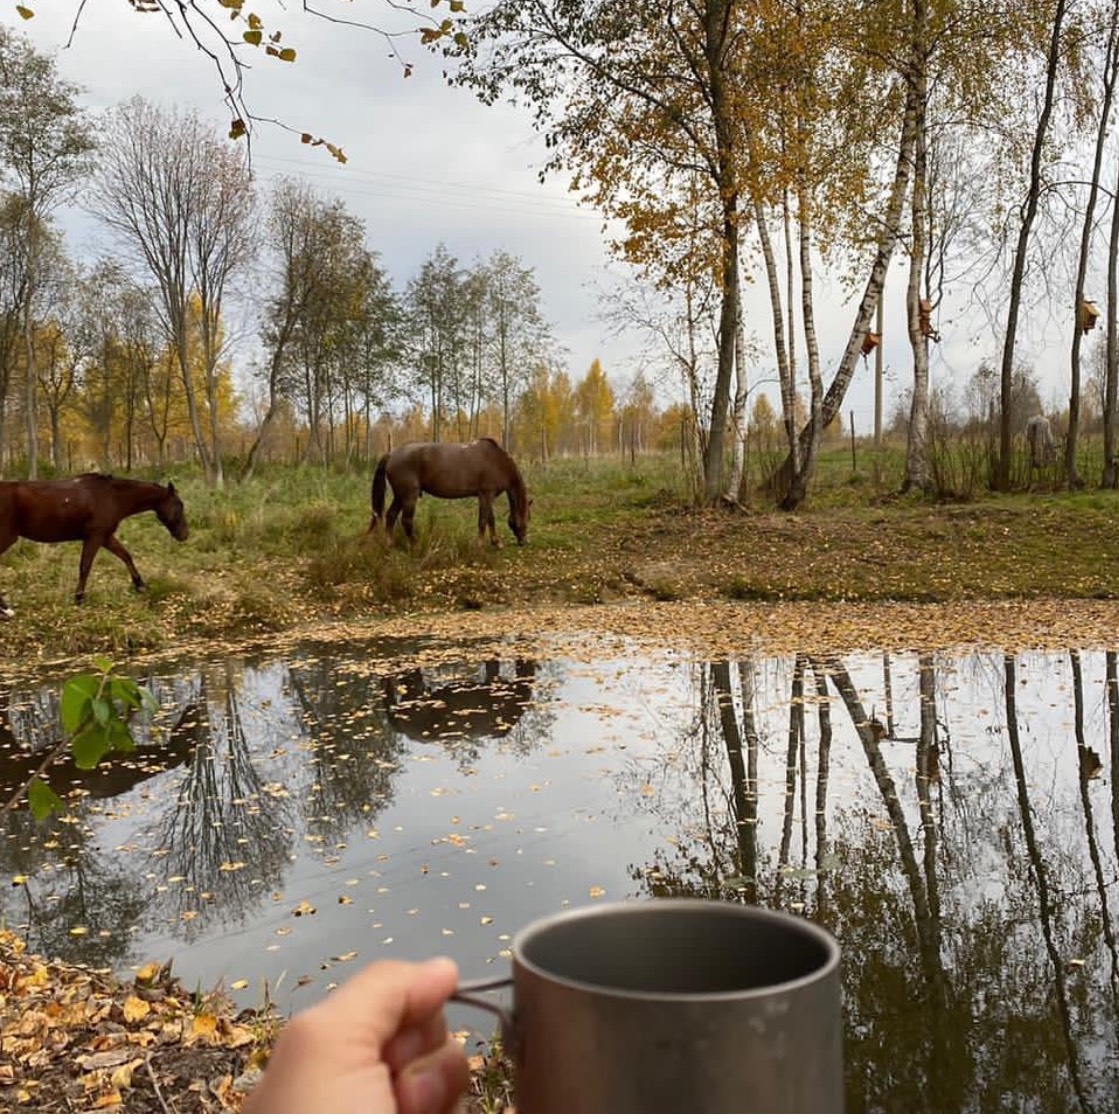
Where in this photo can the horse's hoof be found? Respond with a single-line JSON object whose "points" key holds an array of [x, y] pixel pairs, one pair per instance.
{"points": [[7, 612]]}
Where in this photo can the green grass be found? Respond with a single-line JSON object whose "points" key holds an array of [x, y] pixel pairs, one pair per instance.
{"points": [[290, 548]]}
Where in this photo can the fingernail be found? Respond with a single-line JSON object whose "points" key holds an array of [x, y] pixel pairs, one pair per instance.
{"points": [[425, 1090]]}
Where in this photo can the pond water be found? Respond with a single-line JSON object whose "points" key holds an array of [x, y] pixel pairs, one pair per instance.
{"points": [[952, 818]]}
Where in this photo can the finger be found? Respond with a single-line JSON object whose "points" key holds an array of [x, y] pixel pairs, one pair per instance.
{"points": [[412, 1043], [434, 1083], [392, 995]]}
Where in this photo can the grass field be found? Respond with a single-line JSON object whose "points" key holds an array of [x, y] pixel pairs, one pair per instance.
{"points": [[290, 548]]}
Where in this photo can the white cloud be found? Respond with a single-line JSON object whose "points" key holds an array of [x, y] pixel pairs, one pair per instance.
{"points": [[427, 163]]}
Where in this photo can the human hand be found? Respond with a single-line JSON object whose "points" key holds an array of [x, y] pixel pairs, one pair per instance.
{"points": [[379, 1043]]}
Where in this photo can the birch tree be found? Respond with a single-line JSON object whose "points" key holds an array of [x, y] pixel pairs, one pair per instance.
{"points": [[519, 337], [46, 144], [436, 309], [1109, 71], [631, 97], [182, 204], [1027, 212]]}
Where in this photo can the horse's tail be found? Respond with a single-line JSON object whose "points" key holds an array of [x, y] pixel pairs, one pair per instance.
{"points": [[378, 495]]}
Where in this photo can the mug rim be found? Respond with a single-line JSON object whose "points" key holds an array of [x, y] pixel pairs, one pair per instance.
{"points": [[801, 925]]}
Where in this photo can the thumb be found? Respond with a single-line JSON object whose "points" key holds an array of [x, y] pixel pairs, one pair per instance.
{"points": [[392, 995]]}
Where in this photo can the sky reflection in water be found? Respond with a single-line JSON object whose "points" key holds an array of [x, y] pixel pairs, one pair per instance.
{"points": [[957, 831]]}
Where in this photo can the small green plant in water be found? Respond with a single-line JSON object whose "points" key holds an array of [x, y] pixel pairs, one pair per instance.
{"points": [[96, 709]]}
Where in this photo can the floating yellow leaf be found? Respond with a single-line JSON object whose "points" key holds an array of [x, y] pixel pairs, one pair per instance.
{"points": [[597, 892], [239, 984]]}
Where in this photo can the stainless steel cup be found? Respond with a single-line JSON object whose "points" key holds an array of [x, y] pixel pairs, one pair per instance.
{"points": [[673, 1006]]}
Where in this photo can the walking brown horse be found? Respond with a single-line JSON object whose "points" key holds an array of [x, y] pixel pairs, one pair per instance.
{"points": [[480, 469], [87, 508]]}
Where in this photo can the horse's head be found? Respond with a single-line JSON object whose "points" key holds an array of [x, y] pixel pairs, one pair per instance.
{"points": [[172, 515], [519, 514]]}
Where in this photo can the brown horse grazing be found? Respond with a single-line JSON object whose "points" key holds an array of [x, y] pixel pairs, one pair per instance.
{"points": [[87, 508], [480, 469]]}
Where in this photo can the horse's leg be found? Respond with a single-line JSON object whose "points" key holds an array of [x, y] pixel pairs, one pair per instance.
{"points": [[485, 520], [123, 554], [391, 516], [408, 516], [89, 552], [481, 520], [7, 539]]}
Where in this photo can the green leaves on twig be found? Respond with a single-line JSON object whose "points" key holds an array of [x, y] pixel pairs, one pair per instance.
{"points": [[96, 710]]}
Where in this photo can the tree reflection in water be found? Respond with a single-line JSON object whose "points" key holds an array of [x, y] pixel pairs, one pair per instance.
{"points": [[225, 839], [979, 952], [953, 818], [353, 756], [77, 900]]}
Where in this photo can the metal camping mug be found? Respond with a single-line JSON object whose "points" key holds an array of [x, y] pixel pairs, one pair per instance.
{"points": [[672, 1006]]}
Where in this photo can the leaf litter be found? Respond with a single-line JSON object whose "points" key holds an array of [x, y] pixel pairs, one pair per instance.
{"points": [[80, 1039]]}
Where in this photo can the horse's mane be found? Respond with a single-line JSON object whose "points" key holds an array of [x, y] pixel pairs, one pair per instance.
{"points": [[113, 480]]}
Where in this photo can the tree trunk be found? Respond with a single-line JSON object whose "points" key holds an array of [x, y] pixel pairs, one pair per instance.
{"points": [[255, 451], [726, 125], [192, 408], [781, 348], [917, 452], [738, 413], [728, 318], [31, 389], [1111, 62], [798, 491], [56, 438], [891, 231], [1110, 479], [1028, 213]]}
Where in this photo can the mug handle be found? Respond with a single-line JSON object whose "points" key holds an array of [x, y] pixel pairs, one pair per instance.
{"points": [[466, 993]]}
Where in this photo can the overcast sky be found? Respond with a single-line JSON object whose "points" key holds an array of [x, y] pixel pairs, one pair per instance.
{"points": [[427, 163]]}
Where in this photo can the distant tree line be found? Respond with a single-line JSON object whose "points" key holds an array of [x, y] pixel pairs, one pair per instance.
{"points": [[127, 360], [729, 141]]}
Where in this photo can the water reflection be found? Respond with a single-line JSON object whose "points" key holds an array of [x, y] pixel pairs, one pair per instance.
{"points": [[29, 735], [429, 706], [953, 819], [973, 900]]}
